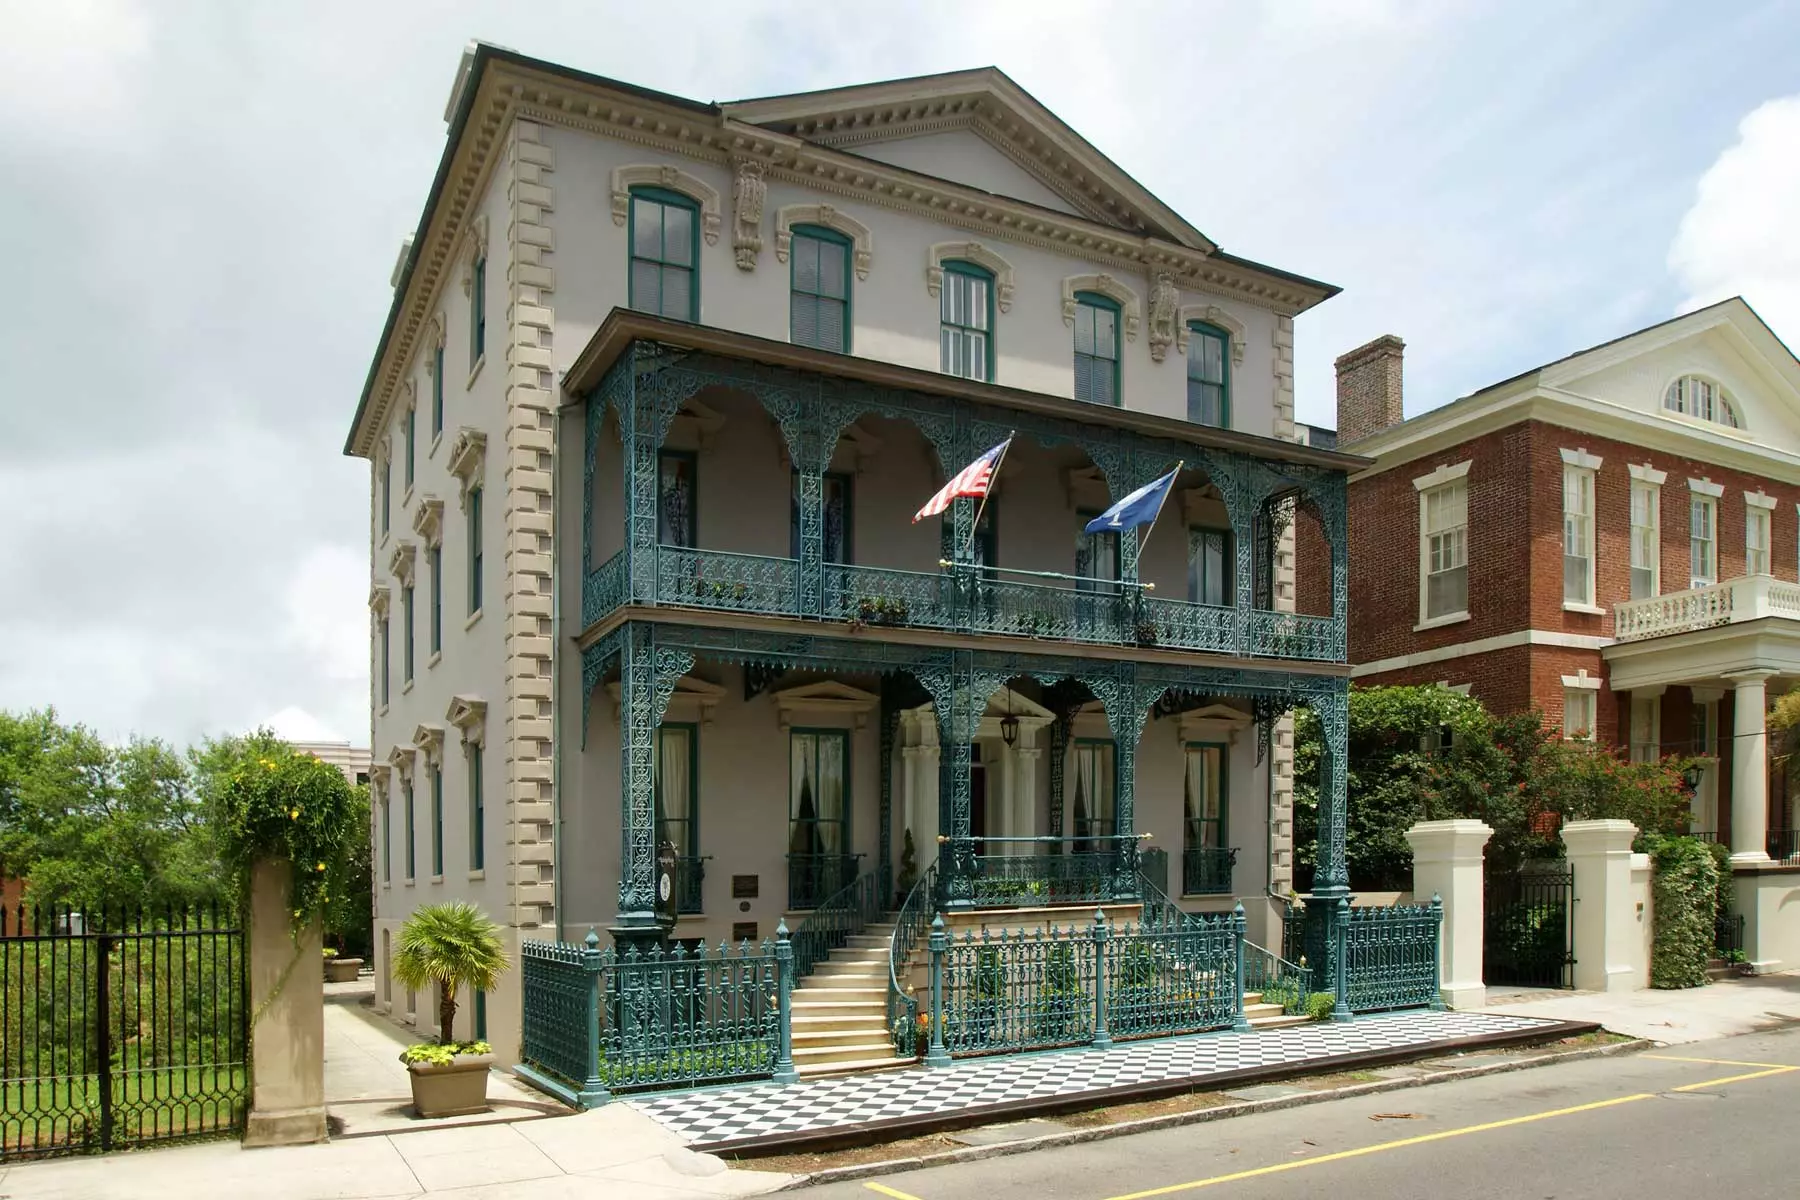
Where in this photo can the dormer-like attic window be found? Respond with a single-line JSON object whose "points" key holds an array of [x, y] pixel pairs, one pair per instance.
{"points": [[1692, 396]]}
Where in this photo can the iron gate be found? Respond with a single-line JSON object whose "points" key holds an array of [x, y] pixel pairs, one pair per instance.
{"points": [[1529, 927], [120, 1030]]}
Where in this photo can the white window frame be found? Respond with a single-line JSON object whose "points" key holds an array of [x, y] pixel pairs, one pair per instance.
{"points": [[1581, 699], [1580, 477], [1644, 736], [1759, 518], [1646, 540], [1443, 481], [1701, 500]]}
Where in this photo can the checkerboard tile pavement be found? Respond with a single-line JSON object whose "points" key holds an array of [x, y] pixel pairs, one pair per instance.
{"points": [[732, 1114]]}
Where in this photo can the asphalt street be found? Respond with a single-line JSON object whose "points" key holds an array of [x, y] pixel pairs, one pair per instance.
{"points": [[1714, 1117]]}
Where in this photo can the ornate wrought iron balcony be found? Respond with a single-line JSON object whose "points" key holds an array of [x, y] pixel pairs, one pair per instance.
{"points": [[1206, 870], [814, 878], [966, 600], [692, 874]]}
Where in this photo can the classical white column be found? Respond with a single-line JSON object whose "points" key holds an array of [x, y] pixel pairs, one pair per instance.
{"points": [[1609, 927], [1749, 767], [1447, 862]]}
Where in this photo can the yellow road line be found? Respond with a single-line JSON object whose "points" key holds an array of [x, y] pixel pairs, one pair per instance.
{"points": [[1359, 1152], [1717, 1062], [1694, 1087], [889, 1192]]}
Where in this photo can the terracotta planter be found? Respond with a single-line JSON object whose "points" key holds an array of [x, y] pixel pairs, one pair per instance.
{"points": [[456, 1088], [342, 970]]}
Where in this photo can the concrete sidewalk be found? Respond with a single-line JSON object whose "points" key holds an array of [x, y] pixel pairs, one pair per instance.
{"points": [[1727, 1008]]}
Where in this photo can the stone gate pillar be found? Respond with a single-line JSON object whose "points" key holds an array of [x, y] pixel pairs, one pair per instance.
{"points": [[287, 1008], [1447, 862], [1609, 929]]}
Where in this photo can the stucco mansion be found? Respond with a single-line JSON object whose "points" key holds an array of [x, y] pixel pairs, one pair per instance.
{"points": [[661, 388]]}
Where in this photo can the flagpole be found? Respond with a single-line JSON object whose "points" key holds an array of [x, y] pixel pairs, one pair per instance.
{"points": [[1145, 541], [993, 482]]}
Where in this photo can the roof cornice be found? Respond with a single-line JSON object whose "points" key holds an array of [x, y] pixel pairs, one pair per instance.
{"points": [[505, 85]]}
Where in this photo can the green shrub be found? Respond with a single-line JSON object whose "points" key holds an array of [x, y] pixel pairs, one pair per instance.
{"points": [[1320, 1005], [1684, 889]]}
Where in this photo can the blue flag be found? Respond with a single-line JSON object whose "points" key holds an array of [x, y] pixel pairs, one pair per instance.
{"points": [[1139, 508]]}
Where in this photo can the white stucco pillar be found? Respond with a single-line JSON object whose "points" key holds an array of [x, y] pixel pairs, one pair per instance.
{"points": [[1023, 776], [1749, 767], [1447, 862], [1609, 941]]}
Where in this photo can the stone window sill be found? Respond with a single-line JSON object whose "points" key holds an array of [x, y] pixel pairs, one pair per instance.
{"points": [[478, 875], [406, 687], [470, 623], [1591, 609], [437, 879], [476, 369], [408, 882], [1455, 618], [437, 656]]}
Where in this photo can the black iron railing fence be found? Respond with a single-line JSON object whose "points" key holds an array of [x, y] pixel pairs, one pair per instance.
{"points": [[120, 1029]]}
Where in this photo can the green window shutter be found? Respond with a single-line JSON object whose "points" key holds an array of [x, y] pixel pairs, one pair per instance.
{"points": [[477, 815], [387, 838], [966, 321], [478, 312], [387, 491], [1096, 349], [436, 562], [437, 820], [386, 691], [1209, 376], [665, 254], [412, 424], [406, 633], [819, 266], [474, 550], [411, 837], [437, 391]]}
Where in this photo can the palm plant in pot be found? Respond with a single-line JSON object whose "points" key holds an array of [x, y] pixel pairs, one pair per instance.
{"points": [[449, 946]]}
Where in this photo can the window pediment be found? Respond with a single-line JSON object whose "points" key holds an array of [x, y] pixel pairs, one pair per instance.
{"points": [[978, 254], [478, 248], [402, 561], [400, 758], [380, 598], [666, 175], [468, 714], [827, 699], [1213, 722], [1105, 285], [428, 521], [429, 741], [862, 244], [694, 700], [379, 775], [468, 458]]}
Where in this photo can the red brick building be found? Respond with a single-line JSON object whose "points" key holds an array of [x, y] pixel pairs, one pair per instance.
{"points": [[1613, 537]]}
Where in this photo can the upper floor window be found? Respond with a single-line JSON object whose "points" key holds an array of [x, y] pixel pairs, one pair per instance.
{"points": [[1096, 348], [1208, 376], [1703, 543], [1091, 780], [665, 254], [437, 391], [676, 523], [836, 515], [1096, 557], [411, 426], [1646, 540], [1693, 396], [819, 306], [675, 786], [1209, 566], [478, 311], [966, 315], [387, 492], [1443, 550], [1756, 540], [1578, 535], [474, 540]]}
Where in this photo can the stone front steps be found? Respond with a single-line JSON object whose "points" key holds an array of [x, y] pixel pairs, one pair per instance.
{"points": [[840, 1010]]}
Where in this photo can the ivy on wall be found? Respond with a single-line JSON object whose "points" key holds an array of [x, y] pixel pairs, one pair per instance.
{"points": [[1685, 890]]}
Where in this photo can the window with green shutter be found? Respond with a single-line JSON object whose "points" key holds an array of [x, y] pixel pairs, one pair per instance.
{"points": [[966, 321], [1208, 376], [437, 391], [474, 506], [412, 441], [477, 811], [819, 304], [406, 633], [435, 560], [437, 819], [665, 254], [478, 312], [1096, 349], [406, 789]]}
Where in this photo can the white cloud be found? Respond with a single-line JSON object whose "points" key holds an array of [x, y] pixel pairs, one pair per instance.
{"points": [[69, 68], [298, 725], [1738, 238]]}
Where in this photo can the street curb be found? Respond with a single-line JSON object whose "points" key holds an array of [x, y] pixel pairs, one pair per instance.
{"points": [[1076, 1137]]}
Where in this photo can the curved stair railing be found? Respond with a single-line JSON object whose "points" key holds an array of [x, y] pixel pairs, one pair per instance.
{"points": [[909, 931], [839, 917], [1280, 981]]}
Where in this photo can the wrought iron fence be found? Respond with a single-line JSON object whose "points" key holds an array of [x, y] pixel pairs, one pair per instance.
{"points": [[1728, 936], [1296, 635], [1031, 872], [1181, 625], [604, 589], [1035, 989], [120, 1030], [1388, 957], [1784, 844], [885, 596], [814, 878], [599, 1021], [1528, 920], [1206, 870]]}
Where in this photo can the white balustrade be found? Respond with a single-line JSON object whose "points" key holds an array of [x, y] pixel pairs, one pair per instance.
{"points": [[1735, 600]]}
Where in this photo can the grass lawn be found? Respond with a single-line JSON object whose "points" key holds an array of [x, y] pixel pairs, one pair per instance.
{"points": [[41, 1116]]}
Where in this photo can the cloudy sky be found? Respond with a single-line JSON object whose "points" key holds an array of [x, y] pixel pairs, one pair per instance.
{"points": [[200, 204]]}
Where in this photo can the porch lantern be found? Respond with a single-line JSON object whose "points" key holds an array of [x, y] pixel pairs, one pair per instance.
{"points": [[1691, 776], [1009, 724]]}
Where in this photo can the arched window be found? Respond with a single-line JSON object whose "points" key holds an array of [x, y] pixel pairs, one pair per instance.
{"points": [[1693, 396]]}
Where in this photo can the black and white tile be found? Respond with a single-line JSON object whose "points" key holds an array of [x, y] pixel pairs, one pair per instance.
{"points": [[761, 1110]]}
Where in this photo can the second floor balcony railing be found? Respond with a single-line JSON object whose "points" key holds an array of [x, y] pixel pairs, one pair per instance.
{"points": [[969, 599], [1731, 602]]}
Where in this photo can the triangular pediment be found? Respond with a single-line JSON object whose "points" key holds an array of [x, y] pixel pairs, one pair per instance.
{"points": [[980, 129]]}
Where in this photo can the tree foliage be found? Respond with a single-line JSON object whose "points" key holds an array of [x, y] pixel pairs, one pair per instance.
{"points": [[1427, 753]]}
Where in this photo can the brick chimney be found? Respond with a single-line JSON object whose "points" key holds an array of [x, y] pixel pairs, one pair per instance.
{"points": [[1368, 388]]}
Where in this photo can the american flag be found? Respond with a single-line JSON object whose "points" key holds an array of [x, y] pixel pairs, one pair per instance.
{"points": [[973, 480]]}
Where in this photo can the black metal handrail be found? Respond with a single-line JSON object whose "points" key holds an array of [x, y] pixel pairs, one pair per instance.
{"points": [[814, 878], [836, 919], [909, 930], [1784, 844]]}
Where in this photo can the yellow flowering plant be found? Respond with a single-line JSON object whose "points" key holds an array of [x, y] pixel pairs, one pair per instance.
{"points": [[277, 804]]}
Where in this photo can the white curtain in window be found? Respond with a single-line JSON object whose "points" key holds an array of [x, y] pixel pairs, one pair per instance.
{"points": [[831, 795], [674, 786], [802, 778]]}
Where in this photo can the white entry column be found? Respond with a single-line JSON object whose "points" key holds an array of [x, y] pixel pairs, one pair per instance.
{"points": [[1447, 863], [1749, 767]]}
